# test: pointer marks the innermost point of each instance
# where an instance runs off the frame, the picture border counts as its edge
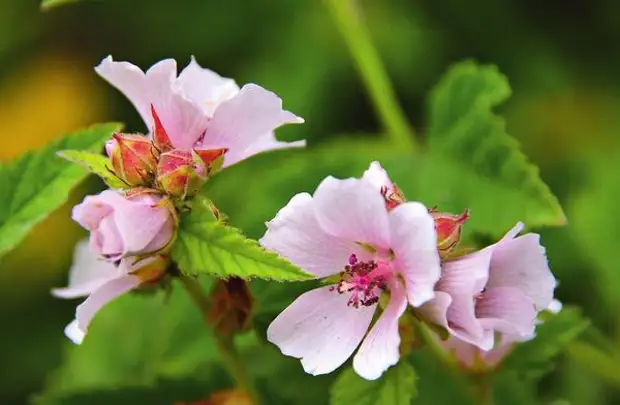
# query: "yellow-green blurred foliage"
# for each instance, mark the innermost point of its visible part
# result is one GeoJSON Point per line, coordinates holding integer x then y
{"type": "Point", "coordinates": [561, 58]}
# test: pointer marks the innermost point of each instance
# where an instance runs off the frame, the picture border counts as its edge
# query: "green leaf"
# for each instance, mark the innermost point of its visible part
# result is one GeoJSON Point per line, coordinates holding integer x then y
{"type": "Point", "coordinates": [50, 4]}
{"type": "Point", "coordinates": [206, 245]}
{"type": "Point", "coordinates": [135, 341]}
{"type": "Point", "coordinates": [534, 358]}
{"type": "Point", "coordinates": [96, 164]}
{"type": "Point", "coordinates": [396, 387]}
{"type": "Point", "coordinates": [34, 185]}
{"type": "Point", "coordinates": [465, 131]}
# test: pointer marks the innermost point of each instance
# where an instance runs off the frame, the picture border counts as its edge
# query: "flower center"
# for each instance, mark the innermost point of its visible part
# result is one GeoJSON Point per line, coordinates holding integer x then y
{"type": "Point", "coordinates": [364, 280]}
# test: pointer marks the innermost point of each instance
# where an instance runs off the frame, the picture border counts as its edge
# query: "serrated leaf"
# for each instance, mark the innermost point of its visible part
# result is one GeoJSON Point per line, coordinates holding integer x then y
{"type": "Point", "coordinates": [133, 342]}
{"type": "Point", "coordinates": [96, 164]}
{"type": "Point", "coordinates": [205, 245]}
{"type": "Point", "coordinates": [464, 128]}
{"type": "Point", "coordinates": [396, 387]}
{"type": "Point", "coordinates": [34, 185]}
{"type": "Point", "coordinates": [534, 358]}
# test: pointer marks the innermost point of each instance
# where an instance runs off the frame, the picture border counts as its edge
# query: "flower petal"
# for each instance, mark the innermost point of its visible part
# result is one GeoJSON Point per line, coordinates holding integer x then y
{"type": "Point", "coordinates": [320, 329]}
{"type": "Point", "coordinates": [239, 122]}
{"type": "Point", "coordinates": [352, 209]}
{"type": "Point", "coordinates": [466, 275]}
{"type": "Point", "coordinates": [507, 310]}
{"type": "Point", "coordinates": [379, 350]}
{"type": "Point", "coordinates": [104, 294]}
{"type": "Point", "coordinates": [377, 176]}
{"type": "Point", "coordinates": [414, 242]}
{"type": "Point", "coordinates": [521, 263]}
{"type": "Point", "coordinates": [295, 234]}
{"type": "Point", "coordinates": [73, 332]}
{"type": "Point", "coordinates": [87, 273]}
{"type": "Point", "coordinates": [264, 143]}
{"type": "Point", "coordinates": [205, 87]}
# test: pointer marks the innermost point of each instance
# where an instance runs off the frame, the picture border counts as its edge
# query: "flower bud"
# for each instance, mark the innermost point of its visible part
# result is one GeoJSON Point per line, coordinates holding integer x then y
{"type": "Point", "coordinates": [212, 158]}
{"type": "Point", "coordinates": [231, 306]}
{"type": "Point", "coordinates": [133, 158]}
{"type": "Point", "coordinates": [181, 173]}
{"type": "Point", "coordinates": [448, 227]}
{"type": "Point", "coordinates": [160, 136]}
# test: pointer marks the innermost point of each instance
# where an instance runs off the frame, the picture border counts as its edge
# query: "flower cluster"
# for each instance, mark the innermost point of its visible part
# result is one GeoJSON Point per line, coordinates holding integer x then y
{"type": "Point", "coordinates": [197, 122]}
{"type": "Point", "coordinates": [383, 255]}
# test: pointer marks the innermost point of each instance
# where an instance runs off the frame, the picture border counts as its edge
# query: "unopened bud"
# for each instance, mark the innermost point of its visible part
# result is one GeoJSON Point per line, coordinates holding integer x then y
{"type": "Point", "coordinates": [160, 136]}
{"type": "Point", "coordinates": [181, 173]}
{"type": "Point", "coordinates": [133, 158]}
{"type": "Point", "coordinates": [393, 196]}
{"type": "Point", "coordinates": [448, 227]}
{"type": "Point", "coordinates": [231, 306]}
{"type": "Point", "coordinates": [212, 158]}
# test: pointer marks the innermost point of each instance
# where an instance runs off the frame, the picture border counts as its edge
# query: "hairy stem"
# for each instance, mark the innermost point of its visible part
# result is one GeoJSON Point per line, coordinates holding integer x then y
{"type": "Point", "coordinates": [226, 346]}
{"type": "Point", "coordinates": [349, 21]}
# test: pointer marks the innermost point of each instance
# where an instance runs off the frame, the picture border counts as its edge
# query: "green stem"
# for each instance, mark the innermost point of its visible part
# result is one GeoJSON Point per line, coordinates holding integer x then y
{"type": "Point", "coordinates": [484, 389]}
{"type": "Point", "coordinates": [226, 346]}
{"type": "Point", "coordinates": [350, 23]}
{"type": "Point", "coordinates": [426, 336]}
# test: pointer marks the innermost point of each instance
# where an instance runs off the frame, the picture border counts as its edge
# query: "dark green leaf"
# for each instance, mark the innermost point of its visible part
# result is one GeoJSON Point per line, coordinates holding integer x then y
{"type": "Point", "coordinates": [34, 185]}
{"type": "Point", "coordinates": [205, 245]}
{"type": "Point", "coordinates": [396, 387]}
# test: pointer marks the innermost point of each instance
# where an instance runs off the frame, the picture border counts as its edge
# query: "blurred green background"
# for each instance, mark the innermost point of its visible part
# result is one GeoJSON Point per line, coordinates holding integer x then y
{"type": "Point", "coordinates": [560, 56]}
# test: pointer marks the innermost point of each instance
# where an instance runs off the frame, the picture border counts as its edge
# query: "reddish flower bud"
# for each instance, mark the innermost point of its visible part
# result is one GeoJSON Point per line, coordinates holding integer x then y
{"type": "Point", "coordinates": [448, 227]}
{"type": "Point", "coordinates": [181, 173]}
{"type": "Point", "coordinates": [160, 136]}
{"type": "Point", "coordinates": [231, 306]}
{"type": "Point", "coordinates": [393, 196]}
{"type": "Point", "coordinates": [212, 158]}
{"type": "Point", "coordinates": [133, 158]}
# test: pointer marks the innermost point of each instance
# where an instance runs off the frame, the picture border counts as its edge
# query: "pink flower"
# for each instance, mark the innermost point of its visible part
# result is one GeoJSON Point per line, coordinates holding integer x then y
{"type": "Point", "coordinates": [123, 226]}
{"type": "Point", "coordinates": [499, 289]}
{"type": "Point", "coordinates": [347, 229]}
{"type": "Point", "coordinates": [200, 109]}
{"type": "Point", "coordinates": [102, 282]}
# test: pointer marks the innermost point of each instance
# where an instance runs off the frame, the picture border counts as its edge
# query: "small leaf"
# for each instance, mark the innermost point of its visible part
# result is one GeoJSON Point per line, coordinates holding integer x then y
{"type": "Point", "coordinates": [534, 358]}
{"type": "Point", "coordinates": [396, 387]}
{"type": "Point", "coordinates": [96, 164]}
{"type": "Point", "coordinates": [464, 128]}
{"type": "Point", "coordinates": [206, 245]}
{"type": "Point", "coordinates": [34, 185]}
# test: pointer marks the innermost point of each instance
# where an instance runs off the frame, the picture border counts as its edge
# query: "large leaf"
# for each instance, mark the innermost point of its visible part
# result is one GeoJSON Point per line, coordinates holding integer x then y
{"type": "Point", "coordinates": [96, 164]}
{"type": "Point", "coordinates": [534, 358]}
{"type": "Point", "coordinates": [37, 183]}
{"type": "Point", "coordinates": [396, 387]}
{"type": "Point", "coordinates": [206, 245]}
{"type": "Point", "coordinates": [134, 342]}
{"type": "Point", "coordinates": [464, 129]}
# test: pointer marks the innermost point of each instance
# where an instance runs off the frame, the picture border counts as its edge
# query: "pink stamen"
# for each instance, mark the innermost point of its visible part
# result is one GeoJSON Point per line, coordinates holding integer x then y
{"type": "Point", "coordinates": [364, 280]}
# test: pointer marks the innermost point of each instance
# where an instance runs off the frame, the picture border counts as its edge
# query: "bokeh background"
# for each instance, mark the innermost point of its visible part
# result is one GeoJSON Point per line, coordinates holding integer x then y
{"type": "Point", "coordinates": [561, 58]}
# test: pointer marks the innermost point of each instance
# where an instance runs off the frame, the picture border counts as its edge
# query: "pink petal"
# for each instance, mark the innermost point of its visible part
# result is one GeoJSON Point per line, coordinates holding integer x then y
{"type": "Point", "coordinates": [377, 176]}
{"type": "Point", "coordinates": [352, 209]}
{"type": "Point", "coordinates": [183, 120]}
{"type": "Point", "coordinates": [521, 263]}
{"type": "Point", "coordinates": [506, 310]}
{"type": "Point", "coordinates": [320, 329]}
{"type": "Point", "coordinates": [90, 212]}
{"type": "Point", "coordinates": [87, 273]}
{"type": "Point", "coordinates": [264, 143]}
{"type": "Point", "coordinates": [466, 275]}
{"type": "Point", "coordinates": [205, 87]}
{"type": "Point", "coordinates": [463, 324]}
{"type": "Point", "coordinates": [436, 310]}
{"type": "Point", "coordinates": [379, 350]}
{"type": "Point", "coordinates": [296, 235]}
{"type": "Point", "coordinates": [475, 358]}
{"type": "Point", "coordinates": [414, 242]}
{"type": "Point", "coordinates": [239, 122]}
{"type": "Point", "coordinates": [104, 294]}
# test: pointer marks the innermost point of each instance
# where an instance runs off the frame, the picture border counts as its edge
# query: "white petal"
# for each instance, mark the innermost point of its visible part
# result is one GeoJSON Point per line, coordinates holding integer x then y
{"type": "Point", "coordinates": [414, 242]}
{"type": "Point", "coordinates": [73, 332]}
{"type": "Point", "coordinates": [320, 329]}
{"type": "Point", "coordinates": [377, 176]}
{"type": "Point", "coordinates": [352, 209]}
{"type": "Point", "coordinates": [296, 235]}
{"type": "Point", "coordinates": [379, 350]}
{"type": "Point", "coordinates": [88, 272]}
{"type": "Point", "coordinates": [264, 143]}
{"type": "Point", "coordinates": [104, 294]}
{"type": "Point", "coordinates": [506, 310]}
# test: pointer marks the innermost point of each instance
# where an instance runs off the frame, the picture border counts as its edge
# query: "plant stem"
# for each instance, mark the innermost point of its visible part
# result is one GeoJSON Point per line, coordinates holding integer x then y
{"type": "Point", "coordinates": [349, 20]}
{"type": "Point", "coordinates": [426, 336]}
{"type": "Point", "coordinates": [225, 344]}
{"type": "Point", "coordinates": [484, 389]}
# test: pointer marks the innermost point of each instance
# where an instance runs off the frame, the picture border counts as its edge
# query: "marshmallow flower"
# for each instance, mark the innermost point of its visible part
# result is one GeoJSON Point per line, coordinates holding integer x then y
{"type": "Point", "coordinates": [200, 109]}
{"type": "Point", "coordinates": [349, 229]}
{"type": "Point", "coordinates": [101, 282]}
{"type": "Point", "coordinates": [121, 226]}
{"type": "Point", "coordinates": [499, 289]}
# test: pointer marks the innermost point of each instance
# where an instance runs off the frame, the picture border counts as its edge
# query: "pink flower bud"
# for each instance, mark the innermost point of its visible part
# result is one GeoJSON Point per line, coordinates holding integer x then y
{"type": "Point", "coordinates": [181, 173]}
{"type": "Point", "coordinates": [160, 136]}
{"type": "Point", "coordinates": [133, 158]}
{"type": "Point", "coordinates": [120, 226]}
{"type": "Point", "coordinates": [448, 227]}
